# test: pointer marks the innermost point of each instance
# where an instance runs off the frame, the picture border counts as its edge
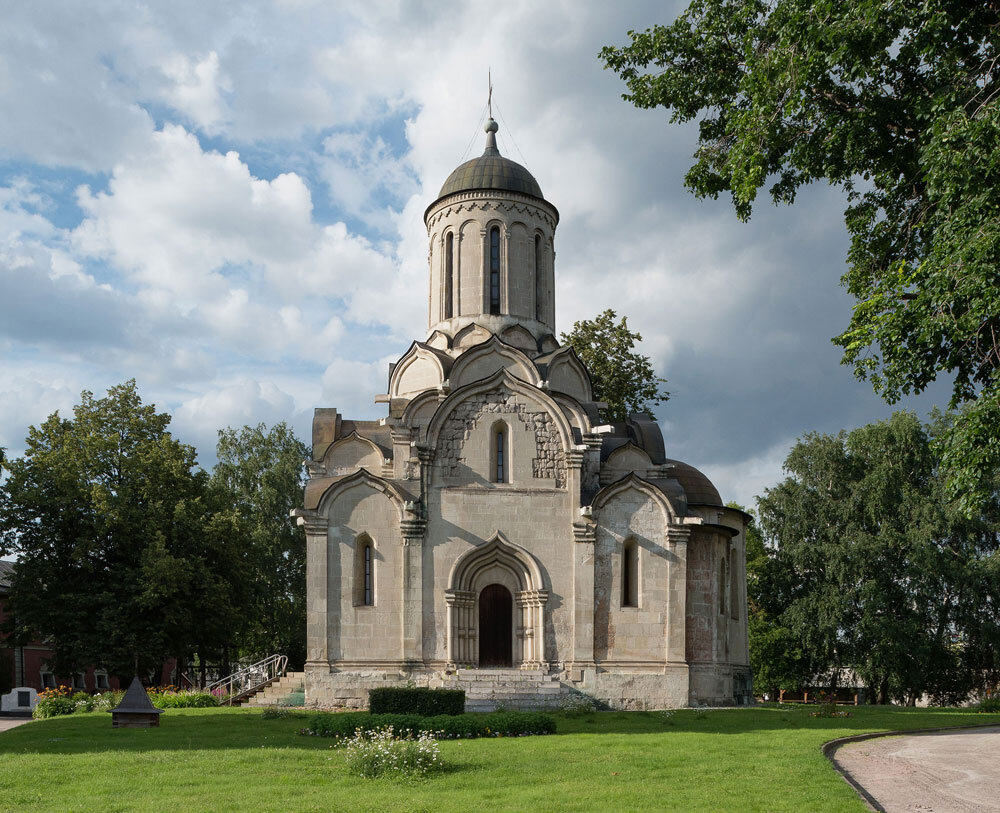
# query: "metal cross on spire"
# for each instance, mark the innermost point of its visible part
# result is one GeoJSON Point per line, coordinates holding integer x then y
{"type": "Point", "coordinates": [489, 98]}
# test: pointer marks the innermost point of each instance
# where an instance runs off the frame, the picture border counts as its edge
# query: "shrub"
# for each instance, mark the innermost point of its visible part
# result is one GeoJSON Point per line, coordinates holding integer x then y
{"type": "Point", "coordinates": [384, 751]}
{"type": "Point", "coordinates": [344, 726]}
{"type": "Point", "coordinates": [425, 702]}
{"type": "Point", "coordinates": [275, 713]}
{"type": "Point", "coordinates": [53, 706]}
{"type": "Point", "coordinates": [83, 702]}
{"type": "Point", "coordinates": [989, 705]}
{"type": "Point", "coordinates": [576, 704]}
{"type": "Point", "coordinates": [108, 700]}
{"type": "Point", "coordinates": [182, 700]}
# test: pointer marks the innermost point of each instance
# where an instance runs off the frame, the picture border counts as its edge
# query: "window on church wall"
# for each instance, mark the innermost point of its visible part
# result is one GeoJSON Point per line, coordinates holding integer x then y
{"type": "Point", "coordinates": [449, 275]}
{"type": "Point", "coordinates": [364, 572]}
{"type": "Point", "coordinates": [500, 454]}
{"type": "Point", "coordinates": [630, 574]}
{"type": "Point", "coordinates": [495, 270]}
{"type": "Point", "coordinates": [723, 585]}
{"type": "Point", "coordinates": [539, 278]}
{"type": "Point", "coordinates": [734, 590]}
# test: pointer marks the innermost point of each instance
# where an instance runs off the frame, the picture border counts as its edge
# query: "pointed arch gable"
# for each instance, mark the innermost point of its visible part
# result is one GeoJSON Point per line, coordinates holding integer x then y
{"type": "Point", "coordinates": [362, 477]}
{"type": "Point", "coordinates": [422, 367]}
{"type": "Point", "coordinates": [420, 410]}
{"type": "Point", "coordinates": [632, 482]}
{"type": "Point", "coordinates": [567, 373]}
{"type": "Point", "coordinates": [520, 337]}
{"type": "Point", "coordinates": [470, 336]}
{"type": "Point", "coordinates": [501, 378]}
{"type": "Point", "coordinates": [629, 457]}
{"type": "Point", "coordinates": [575, 413]}
{"type": "Point", "coordinates": [485, 359]}
{"type": "Point", "coordinates": [352, 452]}
{"type": "Point", "coordinates": [439, 340]}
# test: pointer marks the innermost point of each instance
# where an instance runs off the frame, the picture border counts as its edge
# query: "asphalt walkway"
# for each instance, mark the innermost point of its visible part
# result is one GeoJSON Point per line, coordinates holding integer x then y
{"type": "Point", "coordinates": [938, 772]}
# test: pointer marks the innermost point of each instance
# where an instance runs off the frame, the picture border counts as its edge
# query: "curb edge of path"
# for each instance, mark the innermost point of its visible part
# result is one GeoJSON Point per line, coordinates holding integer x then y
{"type": "Point", "coordinates": [829, 751]}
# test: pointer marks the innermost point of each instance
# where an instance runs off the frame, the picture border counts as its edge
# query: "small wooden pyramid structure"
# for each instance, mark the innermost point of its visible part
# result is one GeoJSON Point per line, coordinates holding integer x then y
{"type": "Point", "coordinates": [135, 710]}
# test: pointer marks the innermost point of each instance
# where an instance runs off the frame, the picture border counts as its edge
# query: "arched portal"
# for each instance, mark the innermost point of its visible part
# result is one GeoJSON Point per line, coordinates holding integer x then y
{"type": "Point", "coordinates": [496, 626]}
{"type": "Point", "coordinates": [495, 595]}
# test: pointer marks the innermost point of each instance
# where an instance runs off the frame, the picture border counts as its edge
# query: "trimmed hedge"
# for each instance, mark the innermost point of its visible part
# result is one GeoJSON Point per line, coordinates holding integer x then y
{"type": "Point", "coordinates": [343, 725]}
{"type": "Point", "coordinates": [183, 700]}
{"type": "Point", "coordinates": [423, 702]}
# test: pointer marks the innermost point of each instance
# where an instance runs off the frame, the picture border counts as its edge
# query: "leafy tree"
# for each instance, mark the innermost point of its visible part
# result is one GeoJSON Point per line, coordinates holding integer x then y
{"type": "Point", "coordinates": [896, 102]}
{"type": "Point", "coordinates": [870, 568]}
{"type": "Point", "coordinates": [622, 378]}
{"type": "Point", "coordinates": [262, 470]}
{"type": "Point", "coordinates": [776, 657]}
{"type": "Point", "coordinates": [126, 555]}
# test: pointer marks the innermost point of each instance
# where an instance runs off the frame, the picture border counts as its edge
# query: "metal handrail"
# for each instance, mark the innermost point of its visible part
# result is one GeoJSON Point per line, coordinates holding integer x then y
{"type": "Point", "coordinates": [249, 679]}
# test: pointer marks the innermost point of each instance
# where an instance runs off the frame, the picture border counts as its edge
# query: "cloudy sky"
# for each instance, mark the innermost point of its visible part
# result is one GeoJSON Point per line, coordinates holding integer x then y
{"type": "Point", "coordinates": [224, 200]}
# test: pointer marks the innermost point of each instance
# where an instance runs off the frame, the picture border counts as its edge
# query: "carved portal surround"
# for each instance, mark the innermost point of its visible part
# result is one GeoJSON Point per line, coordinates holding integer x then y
{"type": "Point", "coordinates": [496, 562]}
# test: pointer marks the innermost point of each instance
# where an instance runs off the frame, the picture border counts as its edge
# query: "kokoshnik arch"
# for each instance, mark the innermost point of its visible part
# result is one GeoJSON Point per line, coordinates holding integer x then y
{"type": "Point", "coordinates": [492, 520]}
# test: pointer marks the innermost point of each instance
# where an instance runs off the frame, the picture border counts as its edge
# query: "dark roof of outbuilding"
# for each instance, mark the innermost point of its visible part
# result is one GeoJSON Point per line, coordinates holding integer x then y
{"type": "Point", "coordinates": [6, 573]}
{"type": "Point", "coordinates": [136, 700]}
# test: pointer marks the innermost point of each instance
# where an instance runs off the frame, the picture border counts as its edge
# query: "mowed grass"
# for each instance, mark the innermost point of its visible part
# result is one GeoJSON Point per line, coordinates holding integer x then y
{"type": "Point", "coordinates": [231, 759]}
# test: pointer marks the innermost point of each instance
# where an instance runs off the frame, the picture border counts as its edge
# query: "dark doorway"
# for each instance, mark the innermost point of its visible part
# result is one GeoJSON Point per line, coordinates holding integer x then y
{"type": "Point", "coordinates": [496, 611]}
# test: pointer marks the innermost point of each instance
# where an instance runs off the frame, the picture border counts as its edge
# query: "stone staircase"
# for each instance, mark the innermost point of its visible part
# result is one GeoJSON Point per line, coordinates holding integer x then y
{"type": "Point", "coordinates": [280, 692]}
{"type": "Point", "coordinates": [487, 689]}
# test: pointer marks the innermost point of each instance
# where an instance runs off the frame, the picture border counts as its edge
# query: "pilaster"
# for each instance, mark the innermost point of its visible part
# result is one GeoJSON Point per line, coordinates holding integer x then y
{"type": "Point", "coordinates": [412, 599]}
{"type": "Point", "coordinates": [318, 588]}
{"type": "Point", "coordinates": [584, 537]}
{"type": "Point", "coordinates": [677, 547]}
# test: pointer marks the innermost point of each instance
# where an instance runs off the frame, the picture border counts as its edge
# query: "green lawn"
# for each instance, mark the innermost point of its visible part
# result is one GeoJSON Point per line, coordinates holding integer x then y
{"type": "Point", "coordinates": [231, 759]}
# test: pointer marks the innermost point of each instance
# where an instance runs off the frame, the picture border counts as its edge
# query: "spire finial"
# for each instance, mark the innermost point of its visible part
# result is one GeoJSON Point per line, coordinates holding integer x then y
{"type": "Point", "coordinates": [491, 126]}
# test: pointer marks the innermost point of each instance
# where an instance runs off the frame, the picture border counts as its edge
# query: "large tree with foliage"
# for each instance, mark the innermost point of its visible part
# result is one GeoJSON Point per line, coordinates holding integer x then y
{"type": "Point", "coordinates": [898, 103]}
{"type": "Point", "coordinates": [126, 555]}
{"type": "Point", "coordinates": [870, 568]}
{"type": "Point", "coordinates": [622, 378]}
{"type": "Point", "coordinates": [262, 470]}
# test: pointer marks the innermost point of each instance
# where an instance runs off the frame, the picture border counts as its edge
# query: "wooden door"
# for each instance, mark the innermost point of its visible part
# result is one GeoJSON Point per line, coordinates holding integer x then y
{"type": "Point", "coordinates": [496, 613]}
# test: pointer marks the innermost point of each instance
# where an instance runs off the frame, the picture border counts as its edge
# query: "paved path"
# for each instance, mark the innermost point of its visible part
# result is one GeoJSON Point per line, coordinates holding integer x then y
{"type": "Point", "coordinates": [929, 773]}
{"type": "Point", "coordinates": [7, 723]}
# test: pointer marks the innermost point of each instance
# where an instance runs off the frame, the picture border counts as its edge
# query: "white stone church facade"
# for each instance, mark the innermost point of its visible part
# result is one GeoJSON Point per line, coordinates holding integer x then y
{"type": "Point", "coordinates": [492, 521]}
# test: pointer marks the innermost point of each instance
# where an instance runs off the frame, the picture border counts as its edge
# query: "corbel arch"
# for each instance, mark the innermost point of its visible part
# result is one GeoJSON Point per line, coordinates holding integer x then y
{"type": "Point", "coordinates": [573, 410]}
{"type": "Point", "coordinates": [632, 482]}
{"type": "Point", "coordinates": [420, 410]}
{"type": "Point", "coordinates": [484, 359]}
{"type": "Point", "coordinates": [363, 477]}
{"type": "Point", "coordinates": [350, 453]}
{"type": "Point", "coordinates": [629, 457]}
{"type": "Point", "coordinates": [502, 378]}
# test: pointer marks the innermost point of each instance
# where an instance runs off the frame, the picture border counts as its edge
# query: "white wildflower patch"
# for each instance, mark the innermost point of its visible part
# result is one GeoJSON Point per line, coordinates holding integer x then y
{"type": "Point", "coordinates": [380, 752]}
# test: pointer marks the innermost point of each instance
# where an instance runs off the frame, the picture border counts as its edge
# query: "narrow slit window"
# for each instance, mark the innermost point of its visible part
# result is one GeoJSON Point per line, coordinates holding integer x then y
{"type": "Point", "coordinates": [495, 270]}
{"type": "Point", "coordinates": [449, 276]}
{"type": "Point", "coordinates": [539, 280]}
{"type": "Point", "coordinates": [500, 456]}
{"type": "Point", "coordinates": [630, 574]}
{"type": "Point", "coordinates": [723, 585]}
{"type": "Point", "coordinates": [734, 588]}
{"type": "Point", "coordinates": [368, 576]}
{"type": "Point", "coordinates": [364, 572]}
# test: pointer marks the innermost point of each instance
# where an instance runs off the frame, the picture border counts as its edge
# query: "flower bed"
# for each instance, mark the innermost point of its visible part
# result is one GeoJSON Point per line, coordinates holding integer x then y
{"type": "Point", "coordinates": [345, 726]}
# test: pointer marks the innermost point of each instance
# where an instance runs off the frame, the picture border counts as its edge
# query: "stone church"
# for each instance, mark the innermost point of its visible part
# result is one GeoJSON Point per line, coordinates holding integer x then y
{"type": "Point", "coordinates": [491, 531]}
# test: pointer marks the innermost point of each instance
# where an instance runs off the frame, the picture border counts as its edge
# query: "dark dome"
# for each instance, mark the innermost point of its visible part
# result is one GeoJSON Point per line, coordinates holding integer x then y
{"type": "Point", "coordinates": [697, 486]}
{"type": "Point", "coordinates": [491, 171]}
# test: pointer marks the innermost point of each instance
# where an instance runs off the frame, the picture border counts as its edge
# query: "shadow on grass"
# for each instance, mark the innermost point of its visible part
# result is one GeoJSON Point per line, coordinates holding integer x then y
{"type": "Point", "coordinates": [218, 729]}
{"type": "Point", "coordinates": [768, 718]}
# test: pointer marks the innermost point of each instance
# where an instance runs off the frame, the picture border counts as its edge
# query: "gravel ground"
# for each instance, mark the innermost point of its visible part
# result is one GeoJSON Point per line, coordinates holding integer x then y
{"type": "Point", "coordinates": [929, 773]}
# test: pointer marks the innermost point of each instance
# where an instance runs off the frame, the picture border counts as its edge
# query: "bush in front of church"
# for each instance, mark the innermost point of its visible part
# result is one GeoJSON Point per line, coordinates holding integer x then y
{"type": "Point", "coordinates": [413, 700]}
{"type": "Point", "coordinates": [385, 751]}
{"type": "Point", "coordinates": [344, 726]}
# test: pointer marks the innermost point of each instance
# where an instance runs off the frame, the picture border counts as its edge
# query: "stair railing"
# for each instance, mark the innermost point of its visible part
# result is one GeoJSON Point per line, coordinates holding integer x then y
{"type": "Point", "coordinates": [248, 679]}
